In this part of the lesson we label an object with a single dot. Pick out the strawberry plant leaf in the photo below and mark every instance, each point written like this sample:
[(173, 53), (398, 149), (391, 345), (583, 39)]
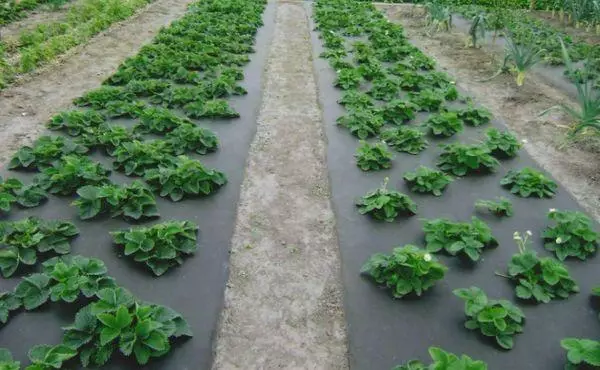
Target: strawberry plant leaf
[(529, 183)]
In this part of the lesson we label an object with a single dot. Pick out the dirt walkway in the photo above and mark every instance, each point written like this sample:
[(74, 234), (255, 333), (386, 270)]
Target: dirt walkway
[(24, 108), (576, 167), (283, 302)]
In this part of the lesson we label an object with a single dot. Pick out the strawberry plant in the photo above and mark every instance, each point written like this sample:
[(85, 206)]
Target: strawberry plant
[(407, 270), (184, 176), (503, 144), (499, 319), (356, 100), (410, 80), (109, 137), (386, 89), (362, 123), (147, 88), (397, 112), (7, 362), (160, 246), (179, 96), (222, 86), (528, 183), (45, 152), (191, 138), (136, 157), (13, 191), (443, 360), (449, 93), (70, 173), (539, 279), (458, 238), (386, 205), (581, 353), (46, 357), (133, 201), (8, 302), (404, 139), (474, 116), (64, 279), (501, 207), (427, 180), (444, 124), (571, 235), (216, 108), (116, 320), (26, 238), (100, 97), (427, 100), (124, 109), (157, 120), (76, 122), (373, 157), (460, 159), (348, 78), (371, 69)]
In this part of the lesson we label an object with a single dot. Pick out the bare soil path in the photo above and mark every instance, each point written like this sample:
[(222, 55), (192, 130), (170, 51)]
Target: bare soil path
[(25, 107), (283, 302), (577, 167)]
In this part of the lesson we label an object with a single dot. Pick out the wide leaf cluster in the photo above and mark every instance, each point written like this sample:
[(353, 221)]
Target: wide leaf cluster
[(13, 191), (461, 159), (581, 352), (136, 157), (70, 173), (405, 139), (427, 180), (45, 152), (407, 270), (373, 157), (131, 201), (25, 239), (503, 144), (529, 183), (160, 246), (384, 204), (443, 360), (444, 124), (572, 235), (499, 319), (458, 238)]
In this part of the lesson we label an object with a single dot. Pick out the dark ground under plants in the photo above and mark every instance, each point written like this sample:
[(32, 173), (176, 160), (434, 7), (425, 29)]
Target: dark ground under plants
[(384, 332)]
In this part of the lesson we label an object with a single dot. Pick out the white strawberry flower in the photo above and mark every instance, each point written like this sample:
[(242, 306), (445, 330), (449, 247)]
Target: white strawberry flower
[(427, 257)]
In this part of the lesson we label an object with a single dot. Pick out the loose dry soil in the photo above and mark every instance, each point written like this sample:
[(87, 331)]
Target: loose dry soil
[(283, 302), (25, 108), (576, 166)]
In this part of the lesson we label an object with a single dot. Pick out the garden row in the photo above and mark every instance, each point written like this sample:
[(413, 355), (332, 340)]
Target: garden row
[(46, 41), (393, 99), (11, 10), (144, 123)]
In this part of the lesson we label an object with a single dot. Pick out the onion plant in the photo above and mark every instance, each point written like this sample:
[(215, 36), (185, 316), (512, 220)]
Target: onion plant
[(587, 115)]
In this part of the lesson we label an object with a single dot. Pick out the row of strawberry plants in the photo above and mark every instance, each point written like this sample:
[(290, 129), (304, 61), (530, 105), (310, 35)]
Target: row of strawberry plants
[(385, 81), (47, 41), (183, 76)]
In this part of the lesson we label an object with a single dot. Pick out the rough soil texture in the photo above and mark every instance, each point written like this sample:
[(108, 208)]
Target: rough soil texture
[(44, 14), (25, 108), (577, 166), (283, 302)]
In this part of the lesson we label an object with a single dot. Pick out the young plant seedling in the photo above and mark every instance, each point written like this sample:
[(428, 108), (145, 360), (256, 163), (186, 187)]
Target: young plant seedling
[(571, 235), (348, 78), (499, 319), (13, 191), (405, 139), (474, 116), (362, 123), (444, 124), (386, 205), (407, 270), (45, 152), (427, 100), (539, 279), (443, 360), (160, 246), (461, 159), (427, 180), (398, 112), (529, 183), (134, 201), (501, 207), (216, 108), (191, 138), (458, 238), (25, 239), (373, 157), (70, 173), (503, 144), (356, 100), (136, 157), (581, 353), (7, 362), (184, 176)]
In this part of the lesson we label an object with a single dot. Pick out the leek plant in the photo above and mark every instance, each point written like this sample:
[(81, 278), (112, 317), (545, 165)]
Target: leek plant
[(439, 17), (519, 58), (587, 115), (478, 28)]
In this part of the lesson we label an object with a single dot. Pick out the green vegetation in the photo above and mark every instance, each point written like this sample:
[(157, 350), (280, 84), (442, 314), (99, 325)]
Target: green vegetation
[(501, 207), (373, 157), (386, 205), (427, 180), (572, 235), (461, 159), (458, 238), (407, 270), (443, 360), (529, 182)]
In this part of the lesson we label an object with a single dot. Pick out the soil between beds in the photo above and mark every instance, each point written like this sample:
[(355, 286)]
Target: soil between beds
[(384, 332), (194, 289)]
